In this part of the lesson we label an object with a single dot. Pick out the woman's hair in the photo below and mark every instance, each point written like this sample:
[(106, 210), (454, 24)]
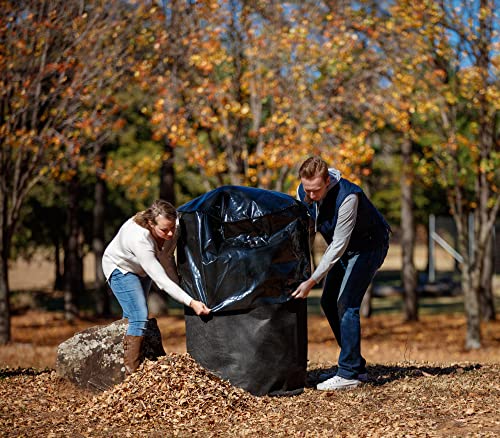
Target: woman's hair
[(312, 167), (158, 208)]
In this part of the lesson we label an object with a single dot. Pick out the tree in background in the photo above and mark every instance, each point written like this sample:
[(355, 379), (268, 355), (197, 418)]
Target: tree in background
[(129, 95), (32, 116), (61, 62), (443, 97), (42, 221), (405, 103), (258, 93), (463, 143)]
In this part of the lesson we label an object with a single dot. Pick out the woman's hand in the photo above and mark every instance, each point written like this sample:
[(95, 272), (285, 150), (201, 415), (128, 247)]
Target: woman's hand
[(199, 307), (304, 288)]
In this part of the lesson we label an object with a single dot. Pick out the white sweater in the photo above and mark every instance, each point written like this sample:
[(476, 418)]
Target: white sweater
[(134, 249)]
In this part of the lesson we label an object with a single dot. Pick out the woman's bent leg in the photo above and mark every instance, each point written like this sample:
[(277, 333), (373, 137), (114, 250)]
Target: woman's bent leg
[(129, 290)]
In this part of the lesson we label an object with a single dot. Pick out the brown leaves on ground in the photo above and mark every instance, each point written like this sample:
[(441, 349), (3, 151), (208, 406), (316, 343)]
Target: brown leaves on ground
[(173, 393), (422, 384), (176, 397)]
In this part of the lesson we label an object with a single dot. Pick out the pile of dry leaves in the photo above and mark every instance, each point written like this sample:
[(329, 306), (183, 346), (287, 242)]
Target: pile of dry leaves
[(171, 393), (176, 397)]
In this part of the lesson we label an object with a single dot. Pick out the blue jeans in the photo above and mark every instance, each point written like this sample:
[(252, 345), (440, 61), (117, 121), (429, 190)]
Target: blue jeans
[(345, 286), (131, 291)]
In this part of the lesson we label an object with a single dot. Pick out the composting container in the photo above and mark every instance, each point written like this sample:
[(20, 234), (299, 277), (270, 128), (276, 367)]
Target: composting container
[(242, 251)]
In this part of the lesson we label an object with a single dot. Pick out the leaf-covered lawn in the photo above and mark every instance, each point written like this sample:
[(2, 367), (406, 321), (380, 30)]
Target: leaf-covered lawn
[(174, 396), (406, 396)]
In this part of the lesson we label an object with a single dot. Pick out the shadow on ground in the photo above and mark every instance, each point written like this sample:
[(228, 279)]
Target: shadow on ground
[(379, 375), (8, 372)]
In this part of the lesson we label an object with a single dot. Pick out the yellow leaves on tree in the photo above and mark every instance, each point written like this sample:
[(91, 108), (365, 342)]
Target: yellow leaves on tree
[(258, 94)]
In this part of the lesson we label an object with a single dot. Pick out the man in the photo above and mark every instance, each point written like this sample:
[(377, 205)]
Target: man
[(358, 239)]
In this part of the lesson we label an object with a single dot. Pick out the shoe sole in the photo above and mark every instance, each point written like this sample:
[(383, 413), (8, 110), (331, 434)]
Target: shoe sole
[(363, 378), (339, 388)]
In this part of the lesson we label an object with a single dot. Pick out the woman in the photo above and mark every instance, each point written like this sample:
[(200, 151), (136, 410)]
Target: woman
[(143, 250)]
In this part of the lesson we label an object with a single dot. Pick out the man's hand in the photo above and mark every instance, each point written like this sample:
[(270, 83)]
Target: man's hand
[(199, 307), (304, 288)]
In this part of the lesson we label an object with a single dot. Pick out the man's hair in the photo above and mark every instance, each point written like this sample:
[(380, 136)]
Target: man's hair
[(312, 167), (158, 208)]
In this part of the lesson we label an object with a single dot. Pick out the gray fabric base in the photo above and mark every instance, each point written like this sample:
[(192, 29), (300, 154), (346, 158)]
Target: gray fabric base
[(262, 350)]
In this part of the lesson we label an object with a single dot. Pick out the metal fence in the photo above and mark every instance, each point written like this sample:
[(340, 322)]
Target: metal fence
[(443, 232)]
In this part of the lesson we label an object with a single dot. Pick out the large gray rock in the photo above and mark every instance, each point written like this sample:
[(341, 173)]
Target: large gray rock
[(93, 358)]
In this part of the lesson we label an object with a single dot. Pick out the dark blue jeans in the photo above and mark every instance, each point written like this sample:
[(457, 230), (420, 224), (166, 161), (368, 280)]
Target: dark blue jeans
[(131, 291), (345, 286)]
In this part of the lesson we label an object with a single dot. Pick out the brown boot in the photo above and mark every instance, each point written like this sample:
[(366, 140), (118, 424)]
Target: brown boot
[(132, 348)]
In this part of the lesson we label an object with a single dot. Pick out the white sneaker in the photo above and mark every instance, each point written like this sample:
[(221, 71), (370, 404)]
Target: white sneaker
[(363, 378), (337, 382)]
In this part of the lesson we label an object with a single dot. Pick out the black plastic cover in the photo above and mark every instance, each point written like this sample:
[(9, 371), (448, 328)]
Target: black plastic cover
[(241, 251), (242, 247)]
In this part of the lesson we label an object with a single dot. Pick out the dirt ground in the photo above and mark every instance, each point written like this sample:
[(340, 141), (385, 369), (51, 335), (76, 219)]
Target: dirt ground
[(422, 383), (386, 339)]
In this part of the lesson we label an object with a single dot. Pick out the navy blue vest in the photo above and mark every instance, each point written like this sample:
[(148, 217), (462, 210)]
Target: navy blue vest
[(371, 229)]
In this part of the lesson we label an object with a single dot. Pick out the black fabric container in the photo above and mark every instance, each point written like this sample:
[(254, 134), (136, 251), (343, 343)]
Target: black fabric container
[(242, 251)]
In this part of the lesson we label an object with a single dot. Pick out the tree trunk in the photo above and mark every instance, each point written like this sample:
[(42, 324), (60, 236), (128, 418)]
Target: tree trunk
[(102, 297), (470, 281), (4, 295), (488, 141), (167, 175), (471, 304), (73, 265), (4, 271), (477, 270), (409, 275), (167, 192), (366, 305), (486, 297), (59, 272), (157, 302)]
